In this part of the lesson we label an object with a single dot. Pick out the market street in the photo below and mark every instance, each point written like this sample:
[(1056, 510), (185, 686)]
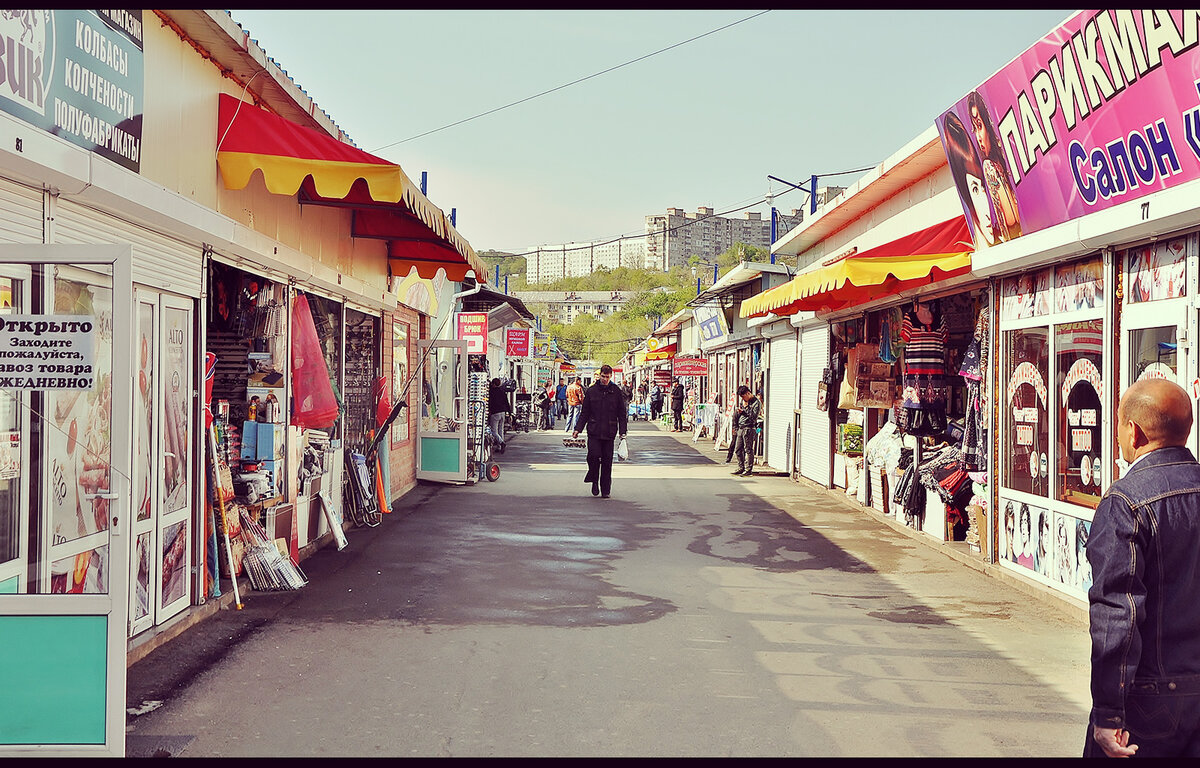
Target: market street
[(693, 613)]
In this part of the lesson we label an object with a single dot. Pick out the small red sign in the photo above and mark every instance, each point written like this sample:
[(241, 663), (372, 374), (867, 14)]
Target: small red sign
[(517, 341), (690, 366)]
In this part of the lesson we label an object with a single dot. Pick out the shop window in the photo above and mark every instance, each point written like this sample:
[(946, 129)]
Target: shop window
[(1157, 271), (1153, 354), (1026, 356), (1078, 359)]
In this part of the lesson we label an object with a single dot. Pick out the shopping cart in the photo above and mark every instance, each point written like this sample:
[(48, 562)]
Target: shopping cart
[(639, 412)]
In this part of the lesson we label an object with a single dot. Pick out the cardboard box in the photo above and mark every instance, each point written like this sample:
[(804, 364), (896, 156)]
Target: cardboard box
[(249, 440)]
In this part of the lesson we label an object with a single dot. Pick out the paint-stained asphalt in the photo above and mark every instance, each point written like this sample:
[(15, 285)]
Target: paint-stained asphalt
[(693, 613)]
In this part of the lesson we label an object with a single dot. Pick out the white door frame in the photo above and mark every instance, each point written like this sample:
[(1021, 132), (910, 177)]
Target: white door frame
[(21, 612), (19, 567)]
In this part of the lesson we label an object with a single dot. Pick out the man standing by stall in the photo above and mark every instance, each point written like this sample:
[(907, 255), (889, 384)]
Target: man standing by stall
[(575, 395), (677, 397), (560, 399), (745, 430), (606, 418), (498, 410)]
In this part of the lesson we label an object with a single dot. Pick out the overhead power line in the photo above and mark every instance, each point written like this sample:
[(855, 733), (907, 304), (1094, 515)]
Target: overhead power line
[(641, 235), (573, 82)]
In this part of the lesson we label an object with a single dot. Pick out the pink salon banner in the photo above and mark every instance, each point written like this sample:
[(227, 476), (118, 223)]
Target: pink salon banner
[(1103, 110)]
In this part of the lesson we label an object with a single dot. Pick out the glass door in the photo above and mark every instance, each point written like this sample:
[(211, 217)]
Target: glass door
[(441, 425), (63, 637), (1156, 320), (162, 469)]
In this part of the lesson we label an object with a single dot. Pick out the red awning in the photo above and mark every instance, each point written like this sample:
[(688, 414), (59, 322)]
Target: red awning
[(321, 170), (925, 256)]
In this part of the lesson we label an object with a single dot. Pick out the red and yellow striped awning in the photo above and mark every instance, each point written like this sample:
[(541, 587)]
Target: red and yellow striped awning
[(926, 256), (295, 160)]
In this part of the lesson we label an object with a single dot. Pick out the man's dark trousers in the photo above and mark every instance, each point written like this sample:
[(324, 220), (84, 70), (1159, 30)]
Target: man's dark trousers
[(600, 460)]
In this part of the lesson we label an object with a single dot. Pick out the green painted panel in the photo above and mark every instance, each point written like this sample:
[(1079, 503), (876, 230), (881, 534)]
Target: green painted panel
[(10, 586), (440, 454), (54, 671)]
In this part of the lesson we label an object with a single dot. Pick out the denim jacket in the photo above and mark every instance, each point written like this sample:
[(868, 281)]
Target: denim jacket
[(1144, 548)]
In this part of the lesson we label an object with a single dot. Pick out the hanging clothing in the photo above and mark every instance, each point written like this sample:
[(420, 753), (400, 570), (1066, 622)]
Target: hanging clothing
[(974, 443), (924, 392)]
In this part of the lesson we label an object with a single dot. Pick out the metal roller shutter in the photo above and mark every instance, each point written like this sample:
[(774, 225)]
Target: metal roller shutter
[(781, 402), (20, 213), (158, 261), (816, 449)]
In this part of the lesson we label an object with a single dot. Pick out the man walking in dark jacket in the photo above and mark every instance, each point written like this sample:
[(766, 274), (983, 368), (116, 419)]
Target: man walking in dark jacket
[(606, 418), (677, 405), (1143, 549)]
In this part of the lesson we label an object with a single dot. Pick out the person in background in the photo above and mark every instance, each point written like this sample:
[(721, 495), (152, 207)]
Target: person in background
[(677, 398), (745, 427), (544, 402), (575, 395), (656, 402), (606, 418), (1143, 549), (552, 397), (560, 399), (498, 409)]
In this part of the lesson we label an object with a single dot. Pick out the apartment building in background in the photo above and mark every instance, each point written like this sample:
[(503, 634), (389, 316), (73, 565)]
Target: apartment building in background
[(548, 263)]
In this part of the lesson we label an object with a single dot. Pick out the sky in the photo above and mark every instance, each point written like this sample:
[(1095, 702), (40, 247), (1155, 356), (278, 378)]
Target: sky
[(788, 93)]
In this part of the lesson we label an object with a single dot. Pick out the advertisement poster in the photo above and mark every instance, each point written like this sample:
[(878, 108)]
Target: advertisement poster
[(176, 398), (1079, 286), (711, 322), (1101, 111), (1157, 271), (399, 428), (517, 342), (141, 583), (10, 455), (174, 562), (79, 425), (78, 75), (1020, 526), (1025, 296), (473, 329), (143, 414)]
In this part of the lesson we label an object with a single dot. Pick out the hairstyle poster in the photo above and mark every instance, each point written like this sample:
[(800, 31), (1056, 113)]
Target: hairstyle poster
[(1026, 295), (1157, 271), (1099, 112)]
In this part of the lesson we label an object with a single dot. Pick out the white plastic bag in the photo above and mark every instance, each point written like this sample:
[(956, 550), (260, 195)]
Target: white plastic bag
[(623, 450)]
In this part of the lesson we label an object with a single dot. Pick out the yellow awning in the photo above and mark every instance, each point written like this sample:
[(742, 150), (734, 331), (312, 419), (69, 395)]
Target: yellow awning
[(923, 257)]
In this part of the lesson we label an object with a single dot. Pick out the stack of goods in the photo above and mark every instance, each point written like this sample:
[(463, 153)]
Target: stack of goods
[(268, 568)]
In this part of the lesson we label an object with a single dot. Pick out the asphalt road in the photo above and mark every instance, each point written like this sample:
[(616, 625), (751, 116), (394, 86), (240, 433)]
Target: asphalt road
[(692, 614)]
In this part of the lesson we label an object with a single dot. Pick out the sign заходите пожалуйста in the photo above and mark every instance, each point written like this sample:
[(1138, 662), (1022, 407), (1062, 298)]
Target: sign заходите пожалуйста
[(47, 352)]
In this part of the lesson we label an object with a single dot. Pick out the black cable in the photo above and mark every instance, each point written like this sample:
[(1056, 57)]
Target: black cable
[(573, 82), (688, 223)]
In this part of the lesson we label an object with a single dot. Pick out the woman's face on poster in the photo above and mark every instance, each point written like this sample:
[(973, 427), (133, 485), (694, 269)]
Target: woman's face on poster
[(1044, 532), (1026, 525), (981, 206), (980, 130)]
